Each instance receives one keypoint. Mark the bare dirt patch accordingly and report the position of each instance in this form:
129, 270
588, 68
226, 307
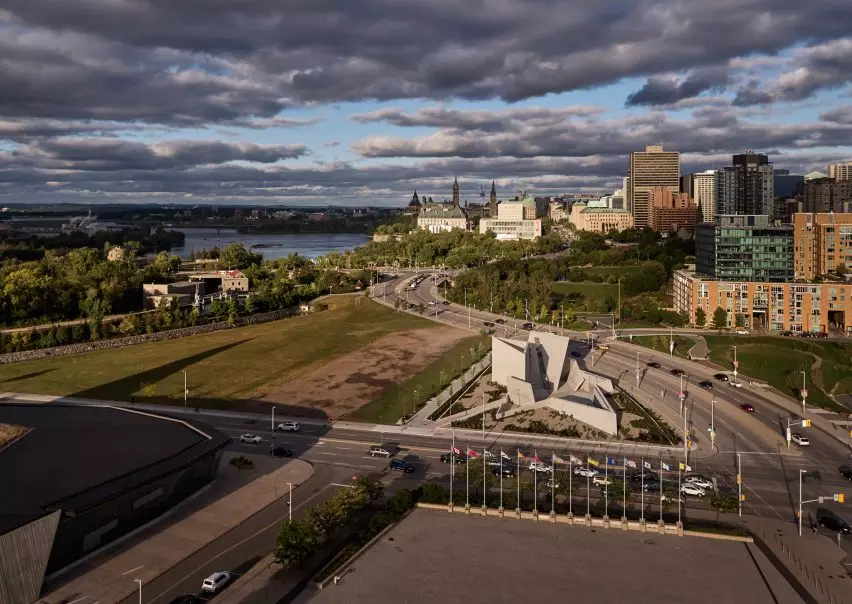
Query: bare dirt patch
341, 385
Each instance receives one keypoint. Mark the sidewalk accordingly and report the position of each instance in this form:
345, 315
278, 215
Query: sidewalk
109, 575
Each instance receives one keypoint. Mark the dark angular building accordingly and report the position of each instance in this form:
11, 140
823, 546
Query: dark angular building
744, 248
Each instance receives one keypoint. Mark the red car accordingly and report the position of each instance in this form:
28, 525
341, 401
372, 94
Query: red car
746, 407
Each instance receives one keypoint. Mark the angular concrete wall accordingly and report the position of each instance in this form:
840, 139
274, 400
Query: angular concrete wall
24, 553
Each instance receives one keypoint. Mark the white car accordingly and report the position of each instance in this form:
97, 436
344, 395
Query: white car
431, 303
252, 439
538, 466
699, 481
379, 451
551, 484
673, 499
691, 489
800, 440
215, 582
736, 384
601, 480
741, 332
584, 471
288, 427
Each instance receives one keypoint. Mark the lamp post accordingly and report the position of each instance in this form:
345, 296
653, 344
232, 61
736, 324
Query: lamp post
712, 423
273, 420
739, 485
139, 582
290, 502
184, 389
804, 393
736, 363
838, 497
638, 371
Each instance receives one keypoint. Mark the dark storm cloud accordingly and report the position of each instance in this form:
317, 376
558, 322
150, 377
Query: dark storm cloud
666, 90
841, 115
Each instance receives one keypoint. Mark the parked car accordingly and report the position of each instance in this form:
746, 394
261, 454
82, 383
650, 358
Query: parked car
452, 458
706, 384
741, 332
538, 466
676, 372
190, 599
737, 384
747, 408
652, 485
700, 481
252, 439
288, 427
507, 471
603, 346
846, 472
282, 452
692, 490
800, 440
601, 480
654, 364
501, 321
215, 582
786, 333
585, 471
402, 466
722, 377
831, 521
446, 302
377, 450
527, 326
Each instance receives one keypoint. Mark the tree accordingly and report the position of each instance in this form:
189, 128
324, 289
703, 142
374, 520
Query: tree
233, 311
297, 542
249, 305
739, 320
420, 308
700, 317
720, 318
724, 503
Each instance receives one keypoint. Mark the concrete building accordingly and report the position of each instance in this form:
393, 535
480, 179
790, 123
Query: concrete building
744, 248
813, 307
185, 292
826, 195
440, 217
558, 211
822, 243
648, 169
702, 188
511, 223
539, 373
747, 187
599, 219
840, 171
614, 201
672, 211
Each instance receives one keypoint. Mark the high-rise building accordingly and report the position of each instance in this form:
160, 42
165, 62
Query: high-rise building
648, 169
840, 171
786, 184
755, 184
822, 242
826, 195
672, 211
744, 248
726, 191
702, 189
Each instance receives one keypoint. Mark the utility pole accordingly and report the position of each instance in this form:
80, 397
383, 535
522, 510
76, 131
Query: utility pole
619, 302
184, 389
740, 485
139, 582
681, 394
562, 320
712, 423
801, 471
671, 342
290, 502
273, 420
736, 363
638, 372
685, 440
491, 305
804, 394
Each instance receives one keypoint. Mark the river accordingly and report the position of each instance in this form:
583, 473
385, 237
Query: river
269, 245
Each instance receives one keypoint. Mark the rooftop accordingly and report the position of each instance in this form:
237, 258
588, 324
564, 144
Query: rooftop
73, 457
441, 210
433, 556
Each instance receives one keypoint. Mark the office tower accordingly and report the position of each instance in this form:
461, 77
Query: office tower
755, 190
726, 191
822, 243
786, 184
648, 169
672, 211
703, 191
840, 171
744, 248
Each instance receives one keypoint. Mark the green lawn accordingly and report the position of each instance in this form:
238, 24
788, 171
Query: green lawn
589, 290
661, 344
606, 271
419, 388
780, 361
225, 368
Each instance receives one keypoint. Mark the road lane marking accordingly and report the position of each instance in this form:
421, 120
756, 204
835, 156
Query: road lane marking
327, 453
80, 599
127, 572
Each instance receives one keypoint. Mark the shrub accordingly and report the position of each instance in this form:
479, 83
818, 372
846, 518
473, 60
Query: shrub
242, 463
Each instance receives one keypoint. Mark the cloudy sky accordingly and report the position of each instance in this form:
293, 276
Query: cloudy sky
360, 101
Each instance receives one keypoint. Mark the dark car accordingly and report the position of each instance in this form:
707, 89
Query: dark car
449, 457
507, 472
676, 371
402, 466
446, 302
187, 600
488, 324
846, 472
651, 485
527, 326
721, 377
786, 333
706, 384
654, 365
833, 522
649, 476
747, 408
501, 321
282, 452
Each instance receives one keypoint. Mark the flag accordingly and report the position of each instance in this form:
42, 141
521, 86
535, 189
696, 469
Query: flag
685, 467
575, 459
456, 451
592, 461
629, 463
472, 453
537, 458
521, 455
610, 461
557, 459
504, 455
647, 465
665, 466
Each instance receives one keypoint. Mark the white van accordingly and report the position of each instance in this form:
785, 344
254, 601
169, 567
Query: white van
215, 582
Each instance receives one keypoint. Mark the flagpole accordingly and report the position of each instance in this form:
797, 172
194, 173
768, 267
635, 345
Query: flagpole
535, 484
624, 490
484, 488
501, 480
642, 485
588, 495
452, 466
678, 494
570, 486
467, 479
552, 485
518, 479
606, 486
661, 486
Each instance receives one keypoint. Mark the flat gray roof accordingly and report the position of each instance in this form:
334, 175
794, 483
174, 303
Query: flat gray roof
433, 556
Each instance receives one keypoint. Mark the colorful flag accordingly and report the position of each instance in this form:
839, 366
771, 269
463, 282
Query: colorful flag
472, 453
685, 467
610, 461
647, 464
537, 458
504, 455
575, 459
557, 459
665, 466
521, 455
456, 451
629, 463
592, 461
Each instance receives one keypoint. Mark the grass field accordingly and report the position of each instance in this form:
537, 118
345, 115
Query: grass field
780, 361
661, 344
411, 394
588, 290
606, 271
224, 368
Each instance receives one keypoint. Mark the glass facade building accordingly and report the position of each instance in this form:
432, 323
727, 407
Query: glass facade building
745, 248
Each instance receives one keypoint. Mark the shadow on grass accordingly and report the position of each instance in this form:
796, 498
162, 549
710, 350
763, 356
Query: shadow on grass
27, 376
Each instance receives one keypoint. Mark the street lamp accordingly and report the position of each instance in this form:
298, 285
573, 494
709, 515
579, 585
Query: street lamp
273, 420
184, 389
838, 497
805, 423
712, 423
736, 363
139, 581
290, 502
804, 393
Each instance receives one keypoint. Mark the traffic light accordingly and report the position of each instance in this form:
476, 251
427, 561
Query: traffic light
839, 497
742, 497
806, 423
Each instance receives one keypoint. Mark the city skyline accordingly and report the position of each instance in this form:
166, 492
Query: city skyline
361, 104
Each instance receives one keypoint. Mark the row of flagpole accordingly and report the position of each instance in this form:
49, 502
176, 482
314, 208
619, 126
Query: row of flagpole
572, 460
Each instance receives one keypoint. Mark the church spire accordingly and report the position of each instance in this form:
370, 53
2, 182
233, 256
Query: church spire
492, 206
456, 192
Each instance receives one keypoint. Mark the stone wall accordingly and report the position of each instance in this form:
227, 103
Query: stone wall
57, 351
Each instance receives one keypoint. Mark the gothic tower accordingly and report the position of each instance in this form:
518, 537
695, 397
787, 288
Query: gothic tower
493, 200
456, 192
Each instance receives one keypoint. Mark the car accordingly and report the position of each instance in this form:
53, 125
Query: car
846, 472
538, 466
601, 480
652, 485
288, 427
451, 458
576, 354
653, 364
377, 450
676, 372
585, 471
672, 499
691, 490
190, 599
501, 321
432, 303
603, 346
831, 521
507, 471
800, 440
736, 384
741, 332
252, 439
647, 476
552, 484
706, 384
488, 324
700, 482
527, 326
786, 334
721, 377
282, 452
402, 466
215, 582
747, 408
